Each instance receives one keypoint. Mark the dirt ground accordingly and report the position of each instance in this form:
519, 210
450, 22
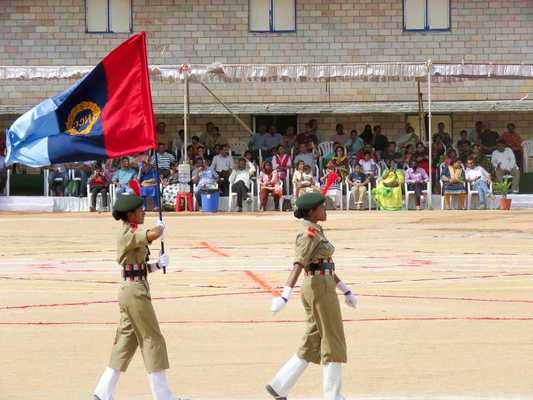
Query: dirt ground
445, 305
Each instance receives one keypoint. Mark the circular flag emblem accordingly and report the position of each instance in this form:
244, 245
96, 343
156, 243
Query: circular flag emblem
82, 118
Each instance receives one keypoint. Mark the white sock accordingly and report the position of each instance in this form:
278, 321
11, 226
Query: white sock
159, 386
287, 376
332, 381
106, 386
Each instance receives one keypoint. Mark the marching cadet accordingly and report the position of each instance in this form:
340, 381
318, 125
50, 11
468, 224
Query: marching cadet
323, 342
138, 322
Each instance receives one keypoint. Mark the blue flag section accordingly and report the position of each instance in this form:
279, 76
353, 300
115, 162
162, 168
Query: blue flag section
106, 114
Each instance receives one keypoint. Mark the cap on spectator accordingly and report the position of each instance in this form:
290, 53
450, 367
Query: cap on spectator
127, 202
309, 201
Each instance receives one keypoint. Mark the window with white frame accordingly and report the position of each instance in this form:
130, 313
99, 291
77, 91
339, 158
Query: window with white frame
272, 15
426, 15
108, 16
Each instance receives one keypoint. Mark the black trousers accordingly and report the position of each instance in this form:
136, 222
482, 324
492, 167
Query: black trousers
94, 194
223, 183
241, 190
417, 187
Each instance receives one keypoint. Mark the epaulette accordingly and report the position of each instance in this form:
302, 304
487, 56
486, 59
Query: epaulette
311, 232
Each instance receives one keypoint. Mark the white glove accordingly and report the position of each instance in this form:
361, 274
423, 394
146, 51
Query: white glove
163, 260
162, 225
349, 298
279, 302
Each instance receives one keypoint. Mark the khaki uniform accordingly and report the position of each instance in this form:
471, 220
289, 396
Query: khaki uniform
138, 322
324, 340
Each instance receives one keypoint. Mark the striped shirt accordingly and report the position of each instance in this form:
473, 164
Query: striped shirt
164, 160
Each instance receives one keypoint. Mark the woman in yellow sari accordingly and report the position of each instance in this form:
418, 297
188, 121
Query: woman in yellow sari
388, 193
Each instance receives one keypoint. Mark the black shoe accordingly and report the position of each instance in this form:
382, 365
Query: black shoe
96, 397
273, 393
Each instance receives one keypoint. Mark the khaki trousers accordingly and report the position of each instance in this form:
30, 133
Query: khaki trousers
359, 193
324, 340
138, 328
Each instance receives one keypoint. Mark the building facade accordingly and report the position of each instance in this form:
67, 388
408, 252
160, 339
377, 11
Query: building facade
82, 32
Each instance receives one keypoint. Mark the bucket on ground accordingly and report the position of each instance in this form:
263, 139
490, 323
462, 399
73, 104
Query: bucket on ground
210, 202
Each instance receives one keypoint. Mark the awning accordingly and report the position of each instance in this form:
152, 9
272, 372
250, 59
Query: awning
328, 108
294, 72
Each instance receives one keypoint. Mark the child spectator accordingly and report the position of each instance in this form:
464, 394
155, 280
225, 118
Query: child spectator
98, 183
302, 180
335, 188
305, 155
358, 185
416, 178
369, 166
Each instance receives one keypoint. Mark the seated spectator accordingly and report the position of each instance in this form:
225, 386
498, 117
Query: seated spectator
438, 150
390, 151
514, 141
123, 176
200, 152
480, 159
399, 161
111, 166
3, 168
307, 137
340, 136
451, 156
148, 181
190, 155
257, 141
205, 179
358, 185
367, 136
408, 153
504, 163
137, 160
367, 148
335, 188
463, 145
57, 179
289, 139
178, 144
340, 162
369, 166
477, 132
207, 137
420, 149
250, 163
416, 178
453, 178
409, 138
222, 164
98, 183
388, 193
306, 156
171, 188
195, 144
381, 142
479, 180
354, 144
444, 136
269, 184
240, 183
81, 172
303, 180
489, 141
212, 138
271, 141
281, 162
164, 158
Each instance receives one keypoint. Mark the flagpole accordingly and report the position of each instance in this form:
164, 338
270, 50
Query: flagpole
158, 188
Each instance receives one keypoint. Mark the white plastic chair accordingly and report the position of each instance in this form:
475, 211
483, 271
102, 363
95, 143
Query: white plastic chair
233, 195
412, 192
99, 199
259, 197
349, 194
238, 149
471, 192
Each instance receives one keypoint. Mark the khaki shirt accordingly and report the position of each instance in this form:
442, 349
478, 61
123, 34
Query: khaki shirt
132, 245
311, 245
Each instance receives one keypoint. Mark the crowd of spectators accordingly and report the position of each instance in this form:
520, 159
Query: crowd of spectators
283, 165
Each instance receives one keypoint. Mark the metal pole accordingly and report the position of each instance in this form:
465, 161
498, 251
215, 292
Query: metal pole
185, 110
421, 125
227, 109
8, 182
430, 139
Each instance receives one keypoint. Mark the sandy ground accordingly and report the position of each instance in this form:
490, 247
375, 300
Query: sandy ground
445, 305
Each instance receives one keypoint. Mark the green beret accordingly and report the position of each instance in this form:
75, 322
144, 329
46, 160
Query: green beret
308, 201
127, 203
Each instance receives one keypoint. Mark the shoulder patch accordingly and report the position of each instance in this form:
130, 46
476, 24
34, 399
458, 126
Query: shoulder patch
311, 232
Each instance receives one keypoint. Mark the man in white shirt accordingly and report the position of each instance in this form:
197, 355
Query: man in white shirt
240, 183
504, 162
222, 164
479, 180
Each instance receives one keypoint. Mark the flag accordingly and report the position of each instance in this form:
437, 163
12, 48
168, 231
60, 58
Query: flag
106, 114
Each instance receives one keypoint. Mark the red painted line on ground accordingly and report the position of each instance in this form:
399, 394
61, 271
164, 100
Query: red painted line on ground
86, 303
445, 278
471, 299
212, 249
285, 321
262, 283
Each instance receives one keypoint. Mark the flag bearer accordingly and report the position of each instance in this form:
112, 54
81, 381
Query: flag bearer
138, 322
323, 342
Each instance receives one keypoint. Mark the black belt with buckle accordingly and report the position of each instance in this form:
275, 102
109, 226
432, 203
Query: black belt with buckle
323, 266
134, 272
